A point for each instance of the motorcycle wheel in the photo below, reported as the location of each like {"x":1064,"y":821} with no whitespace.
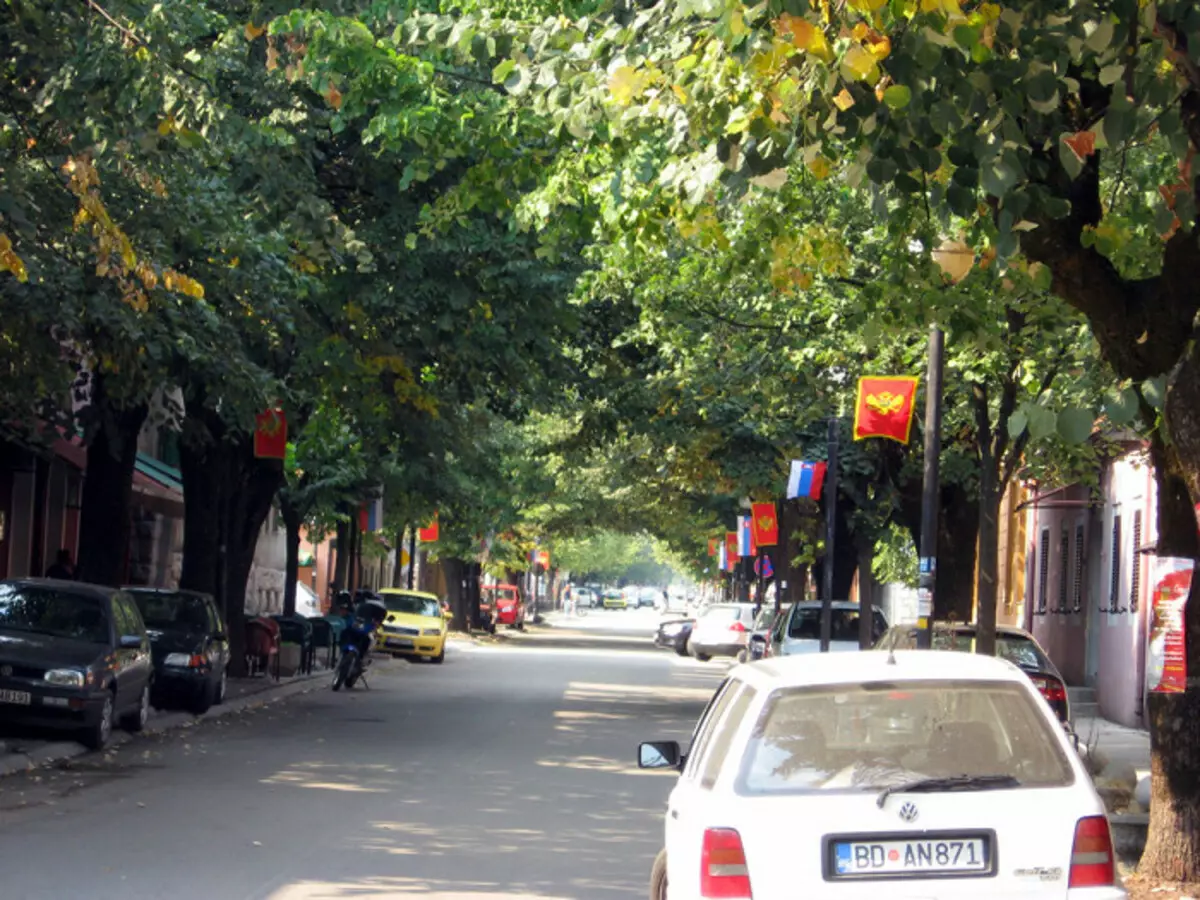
{"x":343,"y":671}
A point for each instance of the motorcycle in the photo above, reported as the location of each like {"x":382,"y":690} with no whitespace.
{"x":356,"y":642}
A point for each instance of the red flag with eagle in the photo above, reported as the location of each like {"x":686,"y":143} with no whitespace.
{"x":884,"y":408}
{"x":764,"y":525}
{"x":270,"y":435}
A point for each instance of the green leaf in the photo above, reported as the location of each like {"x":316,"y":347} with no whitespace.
{"x":1075,"y":425}
{"x":502,"y":71}
{"x":1017,"y":423}
{"x":1121,"y":407}
{"x":1042,"y":421}
{"x":897,"y":96}
{"x":998,"y":177}
{"x":1155,"y":391}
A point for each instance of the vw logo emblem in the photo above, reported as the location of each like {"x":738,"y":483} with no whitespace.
{"x":5,"y":671}
{"x":908,"y":812}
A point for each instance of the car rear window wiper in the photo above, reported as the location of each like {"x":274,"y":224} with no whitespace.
{"x":951,"y":783}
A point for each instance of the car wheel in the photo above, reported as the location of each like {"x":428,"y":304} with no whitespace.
{"x":681,"y":648}
{"x":205,"y":698}
{"x":703,"y":657}
{"x":658,"y":876}
{"x":743,"y":656}
{"x":520,"y":626}
{"x":222,"y":687}
{"x":441,"y":657}
{"x":137,"y":719}
{"x":97,"y":735}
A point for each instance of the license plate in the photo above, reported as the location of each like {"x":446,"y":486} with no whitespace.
{"x":23,"y":698}
{"x":922,"y":856}
{"x":400,"y":643}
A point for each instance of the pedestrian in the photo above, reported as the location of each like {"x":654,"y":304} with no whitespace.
{"x":61,"y":568}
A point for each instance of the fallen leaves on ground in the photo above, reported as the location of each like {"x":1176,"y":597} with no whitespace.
{"x":1141,"y":888}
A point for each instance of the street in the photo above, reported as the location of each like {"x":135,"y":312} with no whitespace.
{"x":507,"y":771}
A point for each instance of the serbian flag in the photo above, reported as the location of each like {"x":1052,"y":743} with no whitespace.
{"x":806,"y":480}
{"x":745,"y":537}
{"x":370,"y":516}
{"x":764,"y":526}
{"x":270,"y":435}
{"x":429,"y":534}
{"x":884,"y":408}
{"x":731,"y":548}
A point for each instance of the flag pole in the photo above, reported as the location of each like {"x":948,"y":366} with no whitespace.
{"x":929,"y":492}
{"x":831,"y":478}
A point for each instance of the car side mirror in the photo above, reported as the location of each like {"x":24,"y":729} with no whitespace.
{"x":659,"y":755}
{"x":130,"y":642}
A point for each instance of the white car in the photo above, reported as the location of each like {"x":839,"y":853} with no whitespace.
{"x":801,"y":631}
{"x":870,"y":775}
{"x":722,"y":630}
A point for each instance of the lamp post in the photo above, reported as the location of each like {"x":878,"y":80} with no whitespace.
{"x":830,"y":529}
{"x":929,"y":491}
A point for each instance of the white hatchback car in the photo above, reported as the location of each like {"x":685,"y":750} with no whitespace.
{"x":907,"y":775}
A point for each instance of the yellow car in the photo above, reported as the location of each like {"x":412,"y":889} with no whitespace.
{"x":414,"y":625}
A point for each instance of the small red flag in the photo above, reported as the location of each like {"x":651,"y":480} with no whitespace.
{"x":270,"y":434}
{"x":543,"y":559}
{"x":885,"y":407}
{"x":764,"y":526}
{"x":731,"y":547}
{"x":714,"y":543}
{"x":429,"y":534}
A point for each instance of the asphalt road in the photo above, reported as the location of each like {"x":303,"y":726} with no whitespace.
{"x":506,"y":772}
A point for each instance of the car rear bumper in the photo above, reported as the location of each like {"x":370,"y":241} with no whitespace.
{"x":179,"y":682}
{"x":719,"y":649}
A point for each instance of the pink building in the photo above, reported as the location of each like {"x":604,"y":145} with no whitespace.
{"x":1088,"y":561}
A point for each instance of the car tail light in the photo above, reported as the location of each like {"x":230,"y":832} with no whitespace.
{"x":738,"y":627}
{"x":723,"y":871}
{"x":1051,"y":688}
{"x":1092,"y":854}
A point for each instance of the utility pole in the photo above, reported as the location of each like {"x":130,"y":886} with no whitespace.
{"x":929,"y":492}
{"x":831,"y":479}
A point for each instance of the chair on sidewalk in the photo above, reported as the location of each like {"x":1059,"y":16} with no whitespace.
{"x":262,"y":646}
{"x":323,"y":636}
{"x":298,"y":630}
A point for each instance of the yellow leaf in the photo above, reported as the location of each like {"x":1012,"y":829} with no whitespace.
{"x":254,"y":31}
{"x":272,"y":56}
{"x":879,"y":46}
{"x":167,"y":125}
{"x":796,"y":29}
{"x":868,"y":6}
{"x":10,"y":262}
{"x":820,"y":168}
{"x":680,"y":93}
{"x":334,"y":96}
{"x":843,"y":100}
{"x":858,"y":64}
{"x":624,"y":84}
{"x":737,"y":24}
{"x":954,"y":258}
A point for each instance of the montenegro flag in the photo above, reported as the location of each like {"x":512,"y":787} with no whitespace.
{"x":764,"y":525}
{"x":884,"y":407}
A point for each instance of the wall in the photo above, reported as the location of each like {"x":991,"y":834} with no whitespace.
{"x":1058,"y":594}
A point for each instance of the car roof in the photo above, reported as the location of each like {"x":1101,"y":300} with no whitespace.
{"x":816,"y":604}
{"x":83,"y":588}
{"x":875,"y":665}
{"x":170,"y":592}
{"x":424,"y":595}
{"x":970,"y":627}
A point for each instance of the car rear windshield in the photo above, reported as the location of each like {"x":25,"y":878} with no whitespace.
{"x":725,"y":613}
{"x":411,"y":605}
{"x":869,"y":736}
{"x":172,"y":611}
{"x":1016,"y":648}
{"x":806,"y":625}
{"x":40,"y":610}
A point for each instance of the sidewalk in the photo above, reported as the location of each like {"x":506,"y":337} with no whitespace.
{"x":18,"y":754}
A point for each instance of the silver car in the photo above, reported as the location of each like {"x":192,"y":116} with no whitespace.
{"x":801,"y":633}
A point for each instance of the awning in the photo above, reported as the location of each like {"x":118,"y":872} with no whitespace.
{"x":158,"y":487}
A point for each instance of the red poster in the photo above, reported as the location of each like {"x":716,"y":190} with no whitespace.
{"x":270,"y":434}
{"x":1166,"y":661}
{"x":429,"y":534}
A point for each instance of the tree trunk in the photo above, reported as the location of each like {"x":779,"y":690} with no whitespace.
{"x":291,"y":569}
{"x":475,"y":572}
{"x":958,"y":529}
{"x":105,"y":519}
{"x":398,"y":563}
{"x":845,"y":555}
{"x":988,"y":566}
{"x":341,"y":572}
{"x":453,"y":569}
{"x":866,"y":595}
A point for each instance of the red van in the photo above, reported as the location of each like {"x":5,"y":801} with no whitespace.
{"x":508,"y":606}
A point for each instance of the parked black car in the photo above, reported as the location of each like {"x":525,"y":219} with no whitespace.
{"x":1016,"y":645}
{"x":675,"y":633}
{"x":190,"y":646}
{"x":73,"y":656}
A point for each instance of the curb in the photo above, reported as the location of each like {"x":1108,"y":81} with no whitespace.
{"x":59,"y":751}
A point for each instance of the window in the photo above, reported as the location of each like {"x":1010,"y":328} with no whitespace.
{"x":805,"y":624}
{"x":728,"y":726}
{"x":133,"y":618}
{"x":49,"y":611}
{"x":704,"y":725}
{"x":1064,"y":569}
{"x":856,"y":737}
{"x":1077,"y":600}
{"x":1043,"y":571}
{"x":1135,"y":573}
{"x":1114,"y":583}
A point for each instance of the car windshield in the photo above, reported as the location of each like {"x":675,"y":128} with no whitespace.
{"x":806,"y":625}
{"x":58,"y":613}
{"x":411,"y":604}
{"x":172,"y":611}
{"x":874,"y":735}
{"x":1016,"y":648}
{"x":722,"y":613}
{"x":765,"y":618}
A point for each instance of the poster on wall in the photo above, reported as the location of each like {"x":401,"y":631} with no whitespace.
{"x":1166,"y":662}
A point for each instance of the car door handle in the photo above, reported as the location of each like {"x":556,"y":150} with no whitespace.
{"x":674,"y":813}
